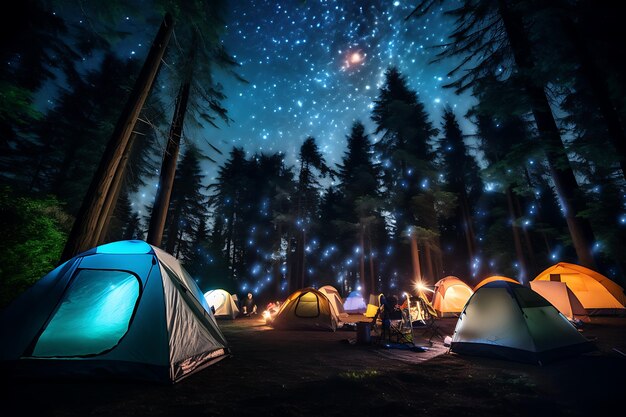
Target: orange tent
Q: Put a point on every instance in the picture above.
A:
(306, 308)
(494, 278)
(597, 293)
(450, 296)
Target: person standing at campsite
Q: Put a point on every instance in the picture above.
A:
(249, 306)
(383, 313)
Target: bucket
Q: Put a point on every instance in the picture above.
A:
(363, 331)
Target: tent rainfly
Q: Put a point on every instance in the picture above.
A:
(306, 308)
(223, 304)
(335, 301)
(494, 278)
(450, 296)
(561, 297)
(597, 293)
(354, 303)
(509, 321)
(124, 310)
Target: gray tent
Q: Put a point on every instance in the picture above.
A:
(122, 310)
(510, 321)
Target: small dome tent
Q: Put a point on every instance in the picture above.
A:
(509, 321)
(450, 296)
(494, 278)
(597, 293)
(223, 303)
(335, 300)
(122, 310)
(354, 303)
(307, 308)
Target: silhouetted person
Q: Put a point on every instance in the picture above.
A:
(249, 306)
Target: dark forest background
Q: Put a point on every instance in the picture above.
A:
(540, 181)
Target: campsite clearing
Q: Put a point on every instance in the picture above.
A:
(301, 373)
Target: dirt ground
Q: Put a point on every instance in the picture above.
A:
(323, 373)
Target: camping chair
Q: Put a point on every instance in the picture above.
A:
(431, 329)
(401, 330)
(399, 325)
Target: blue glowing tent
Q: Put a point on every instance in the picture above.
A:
(354, 303)
(121, 310)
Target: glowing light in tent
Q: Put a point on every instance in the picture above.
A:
(93, 316)
(125, 247)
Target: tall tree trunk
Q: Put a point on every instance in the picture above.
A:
(560, 169)
(517, 241)
(168, 167)
(429, 261)
(113, 194)
(303, 260)
(599, 90)
(371, 262)
(82, 234)
(290, 266)
(362, 260)
(532, 264)
(229, 244)
(173, 229)
(468, 228)
(417, 273)
(278, 261)
(179, 238)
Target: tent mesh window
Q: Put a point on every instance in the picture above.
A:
(308, 306)
(93, 315)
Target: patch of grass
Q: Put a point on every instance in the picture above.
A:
(358, 374)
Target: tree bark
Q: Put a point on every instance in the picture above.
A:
(82, 235)
(429, 262)
(417, 273)
(528, 244)
(113, 194)
(168, 167)
(371, 261)
(517, 241)
(362, 260)
(173, 230)
(562, 174)
(303, 260)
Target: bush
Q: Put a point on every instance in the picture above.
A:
(33, 233)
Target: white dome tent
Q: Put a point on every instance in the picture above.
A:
(510, 321)
(223, 303)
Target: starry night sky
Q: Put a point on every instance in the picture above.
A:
(314, 67)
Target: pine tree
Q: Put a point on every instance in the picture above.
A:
(361, 203)
(74, 133)
(312, 165)
(200, 24)
(462, 178)
(35, 46)
(227, 199)
(85, 231)
(407, 161)
(496, 35)
(187, 208)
